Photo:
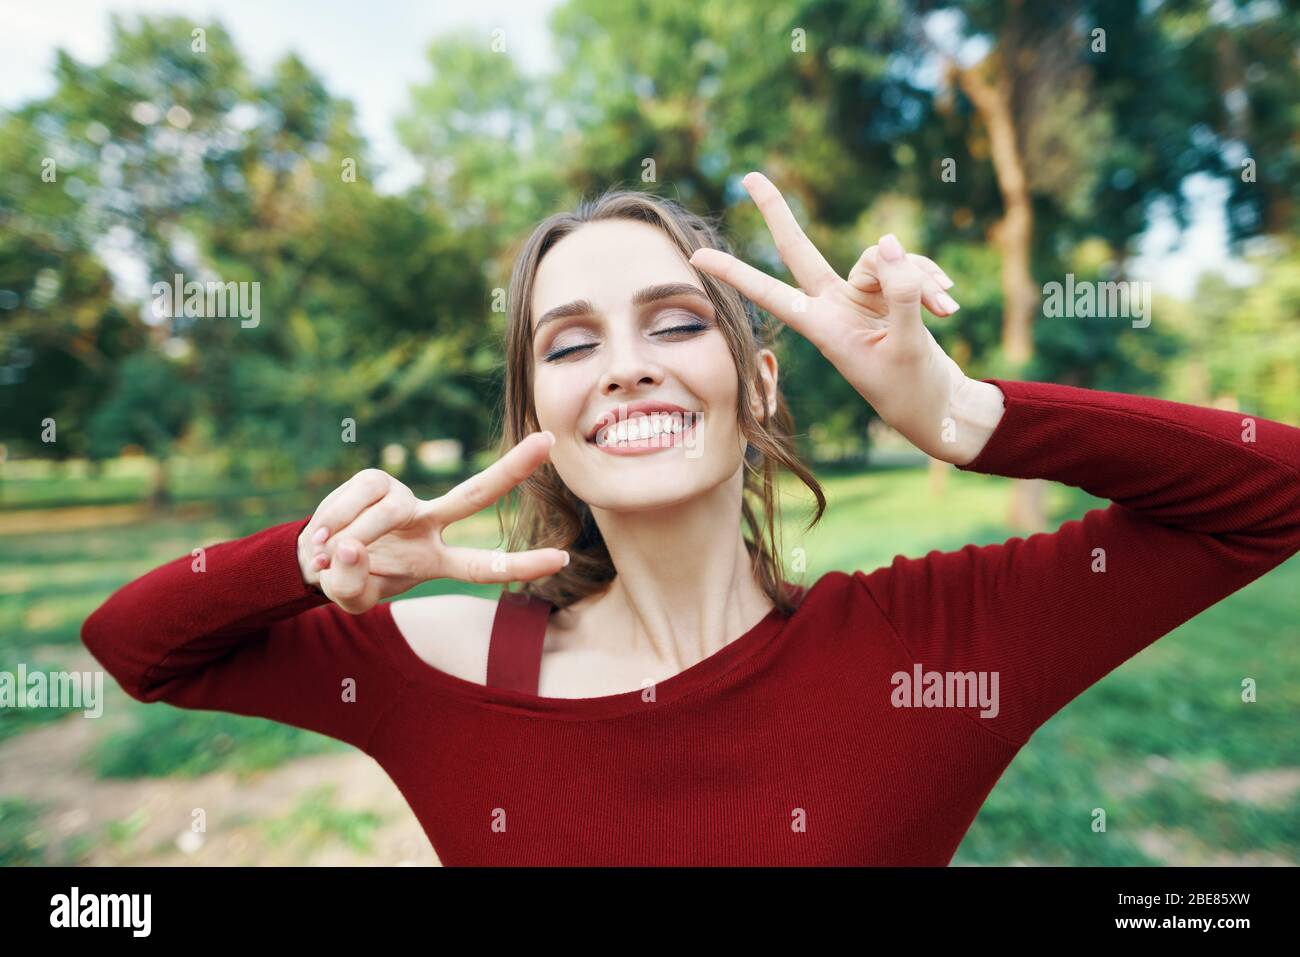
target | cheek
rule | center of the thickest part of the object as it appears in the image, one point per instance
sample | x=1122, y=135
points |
x=710, y=374
x=558, y=401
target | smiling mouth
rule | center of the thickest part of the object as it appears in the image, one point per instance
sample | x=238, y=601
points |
x=658, y=430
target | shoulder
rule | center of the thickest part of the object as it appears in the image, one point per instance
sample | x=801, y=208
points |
x=449, y=632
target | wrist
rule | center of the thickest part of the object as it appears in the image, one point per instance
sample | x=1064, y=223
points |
x=974, y=412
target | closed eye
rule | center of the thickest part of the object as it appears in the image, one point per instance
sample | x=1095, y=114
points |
x=678, y=330
x=693, y=327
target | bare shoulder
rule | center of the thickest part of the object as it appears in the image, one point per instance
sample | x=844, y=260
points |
x=449, y=632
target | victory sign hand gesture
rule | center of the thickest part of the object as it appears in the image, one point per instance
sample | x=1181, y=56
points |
x=869, y=327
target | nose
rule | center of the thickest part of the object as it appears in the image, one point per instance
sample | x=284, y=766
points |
x=628, y=365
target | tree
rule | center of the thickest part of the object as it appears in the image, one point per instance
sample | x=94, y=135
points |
x=61, y=326
x=150, y=406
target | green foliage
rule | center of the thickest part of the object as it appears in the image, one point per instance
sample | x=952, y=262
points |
x=379, y=308
x=163, y=741
x=150, y=407
x=1251, y=337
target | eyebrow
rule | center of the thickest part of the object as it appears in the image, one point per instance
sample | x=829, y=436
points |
x=643, y=297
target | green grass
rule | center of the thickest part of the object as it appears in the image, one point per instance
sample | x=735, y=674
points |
x=317, y=820
x=1178, y=700
x=16, y=721
x=22, y=841
x=34, y=484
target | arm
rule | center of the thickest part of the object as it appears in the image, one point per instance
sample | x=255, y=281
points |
x=1198, y=512
x=248, y=636
x=281, y=624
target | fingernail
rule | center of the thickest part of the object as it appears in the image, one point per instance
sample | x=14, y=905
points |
x=550, y=436
x=948, y=303
x=947, y=283
x=318, y=561
x=322, y=533
x=347, y=554
x=566, y=558
x=890, y=247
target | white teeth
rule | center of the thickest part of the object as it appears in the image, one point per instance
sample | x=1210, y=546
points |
x=644, y=427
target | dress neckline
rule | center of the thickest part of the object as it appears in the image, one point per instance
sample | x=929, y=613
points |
x=685, y=682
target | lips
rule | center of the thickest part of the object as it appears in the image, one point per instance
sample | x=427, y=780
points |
x=636, y=411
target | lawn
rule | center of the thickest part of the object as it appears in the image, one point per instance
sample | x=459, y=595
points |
x=1183, y=770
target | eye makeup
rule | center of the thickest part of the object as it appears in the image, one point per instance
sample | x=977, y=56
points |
x=690, y=325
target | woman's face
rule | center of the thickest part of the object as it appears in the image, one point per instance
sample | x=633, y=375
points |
x=621, y=320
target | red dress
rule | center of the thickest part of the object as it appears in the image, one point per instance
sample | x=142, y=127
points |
x=812, y=739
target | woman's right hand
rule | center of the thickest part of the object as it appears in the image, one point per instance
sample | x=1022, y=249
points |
x=371, y=538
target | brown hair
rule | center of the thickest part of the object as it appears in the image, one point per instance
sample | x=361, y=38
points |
x=550, y=516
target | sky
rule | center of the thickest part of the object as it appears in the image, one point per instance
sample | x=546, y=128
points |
x=373, y=52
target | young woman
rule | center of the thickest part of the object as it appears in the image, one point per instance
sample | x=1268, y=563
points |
x=658, y=693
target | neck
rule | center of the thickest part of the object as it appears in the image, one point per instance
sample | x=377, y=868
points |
x=686, y=585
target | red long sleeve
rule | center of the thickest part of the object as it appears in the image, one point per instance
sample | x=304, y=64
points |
x=787, y=746
x=247, y=636
x=1198, y=513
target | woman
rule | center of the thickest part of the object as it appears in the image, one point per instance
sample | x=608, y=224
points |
x=657, y=693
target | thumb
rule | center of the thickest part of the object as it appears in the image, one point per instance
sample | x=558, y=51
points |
x=347, y=581
x=902, y=282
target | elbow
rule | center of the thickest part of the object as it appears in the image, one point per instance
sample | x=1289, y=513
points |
x=92, y=634
x=101, y=635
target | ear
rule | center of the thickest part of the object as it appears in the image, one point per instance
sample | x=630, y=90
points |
x=767, y=371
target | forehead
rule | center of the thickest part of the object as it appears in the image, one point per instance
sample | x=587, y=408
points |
x=606, y=262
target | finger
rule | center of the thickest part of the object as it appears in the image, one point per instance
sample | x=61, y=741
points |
x=781, y=300
x=341, y=507
x=865, y=268
x=392, y=511
x=479, y=491
x=930, y=266
x=313, y=524
x=865, y=276
x=903, y=285
x=481, y=565
x=809, y=268
x=347, y=581
x=864, y=281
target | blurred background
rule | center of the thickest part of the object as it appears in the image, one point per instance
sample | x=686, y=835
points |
x=372, y=169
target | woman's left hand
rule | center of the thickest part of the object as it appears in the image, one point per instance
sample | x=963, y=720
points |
x=869, y=327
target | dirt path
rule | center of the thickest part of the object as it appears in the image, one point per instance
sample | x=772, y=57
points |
x=147, y=821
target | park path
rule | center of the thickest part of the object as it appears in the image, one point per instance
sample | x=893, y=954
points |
x=147, y=821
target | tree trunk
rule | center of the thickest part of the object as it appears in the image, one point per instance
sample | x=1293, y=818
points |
x=988, y=85
x=159, y=495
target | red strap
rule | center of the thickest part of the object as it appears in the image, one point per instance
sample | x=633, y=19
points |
x=515, y=648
